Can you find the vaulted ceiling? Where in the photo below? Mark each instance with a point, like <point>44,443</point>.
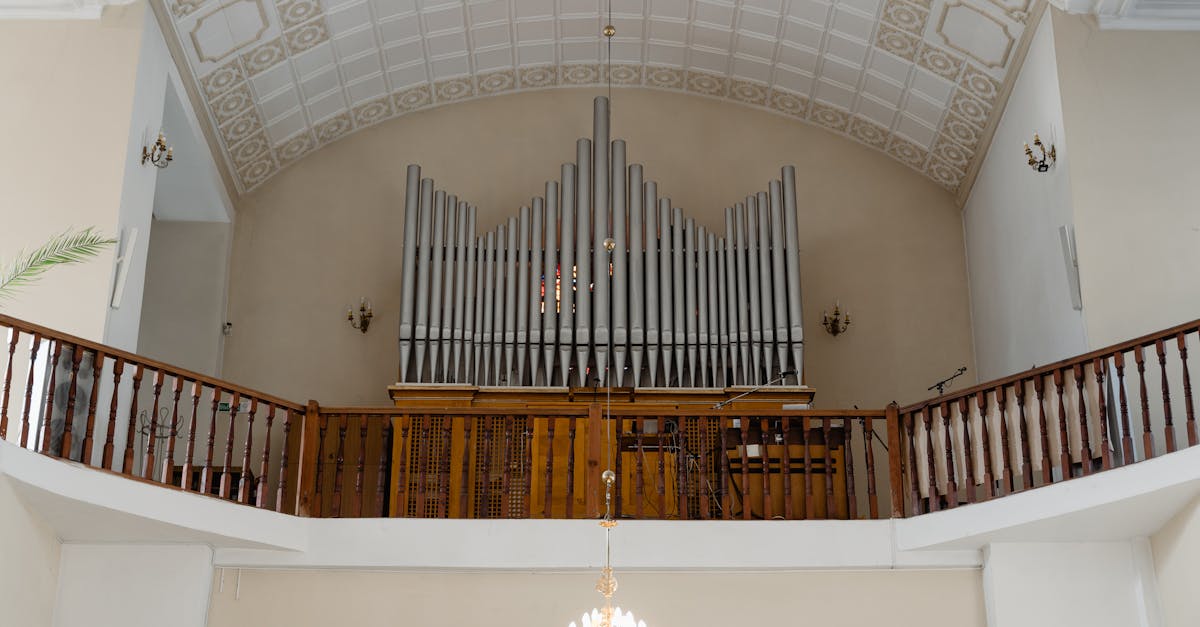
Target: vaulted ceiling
<point>921,80</point>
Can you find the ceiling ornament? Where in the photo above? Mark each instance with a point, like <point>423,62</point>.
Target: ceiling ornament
<point>919,80</point>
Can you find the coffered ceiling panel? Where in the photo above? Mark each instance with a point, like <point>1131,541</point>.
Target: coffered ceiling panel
<point>919,80</point>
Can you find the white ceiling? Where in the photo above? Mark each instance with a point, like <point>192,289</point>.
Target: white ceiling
<point>920,80</point>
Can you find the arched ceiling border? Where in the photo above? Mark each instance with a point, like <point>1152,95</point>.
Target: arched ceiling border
<point>235,114</point>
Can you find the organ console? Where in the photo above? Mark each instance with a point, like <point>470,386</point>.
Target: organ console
<point>540,301</point>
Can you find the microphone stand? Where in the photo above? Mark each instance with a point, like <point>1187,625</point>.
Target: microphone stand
<point>777,379</point>
<point>941,385</point>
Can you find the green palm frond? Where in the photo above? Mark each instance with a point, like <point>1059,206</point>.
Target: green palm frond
<point>66,248</point>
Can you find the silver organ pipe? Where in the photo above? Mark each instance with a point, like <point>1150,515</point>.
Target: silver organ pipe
<point>538,300</point>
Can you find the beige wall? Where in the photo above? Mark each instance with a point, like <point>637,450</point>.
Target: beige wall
<point>184,302</point>
<point>1177,567</point>
<point>1129,107</point>
<point>370,599</point>
<point>70,122</point>
<point>326,231</point>
<point>29,568</point>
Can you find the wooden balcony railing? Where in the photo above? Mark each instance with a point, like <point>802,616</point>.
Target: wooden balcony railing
<point>1068,419</point>
<point>70,398</point>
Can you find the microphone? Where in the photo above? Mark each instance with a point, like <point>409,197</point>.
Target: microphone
<point>725,403</point>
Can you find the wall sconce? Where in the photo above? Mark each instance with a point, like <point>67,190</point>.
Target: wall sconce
<point>364,316</point>
<point>1046,159</point>
<point>837,322</point>
<point>158,154</point>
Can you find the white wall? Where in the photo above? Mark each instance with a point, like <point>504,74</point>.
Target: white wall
<point>1177,567</point>
<point>116,585</point>
<point>1098,584</point>
<point>29,554</point>
<point>1021,307</point>
<point>1129,105</point>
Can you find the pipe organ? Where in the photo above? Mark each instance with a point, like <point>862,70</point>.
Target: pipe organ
<point>541,300</point>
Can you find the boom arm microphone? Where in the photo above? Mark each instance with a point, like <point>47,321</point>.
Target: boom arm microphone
<point>786,373</point>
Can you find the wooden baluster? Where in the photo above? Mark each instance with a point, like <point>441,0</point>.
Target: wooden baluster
<point>69,414</point>
<point>869,439</point>
<point>1039,384</point>
<point>131,429</point>
<point>931,459</point>
<point>1168,422</point>
<point>895,460</point>
<point>989,484</point>
<point>506,476</point>
<point>227,479</point>
<point>548,475</point>
<point>361,467</point>
<point>681,480</point>
<point>12,349</point>
<point>48,417</point>
<point>206,475</point>
<point>1064,442</point>
<point>639,484</point>
<point>809,503</point>
<point>964,414</point>
<point>444,468</point>
<point>385,430</point>
<point>338,474</point>
<point>726,514</point>
<point>244,481</point>
<point>1006,478</point>
<point>951,484</point>
<point>281,489</point>
<point>571,468</point>
<point>89,434</point>
<point>402,496</point>
<point>662,472</point>
<point>785,463</point>
<point>851,498</point>
<point>465,489</point>
<point>1181,339</point>
<point>152,436</point>
<point>261,495</point>
<point>37,342</point>
<point>1147,436</point>
<point>764,437</point>
<point>1126,437</point>
<point>745,423</point>
<point>422,436</point>
<point>910,438</point>
<point>109,446</point>
<point>1023,433</point>
<point>825,429</point>
<point>322,426</point>
<point>705,503</point>
<point>527,497</point>
<point>1102,414</point>
<point>168,469</point>
<point>1085,437</point>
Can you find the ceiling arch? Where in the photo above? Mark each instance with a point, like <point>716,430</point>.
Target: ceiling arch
<point>921,80</point>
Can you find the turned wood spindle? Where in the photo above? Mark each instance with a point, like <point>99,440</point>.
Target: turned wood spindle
<point>168,468</point>
<point>1023,433</point>
<point>1168,420</point>
<point>826,427</point>
<point>1139,357</point>
<point>422,437</point>
<point>948,439</point>
<point>764,437</point>
<point>48,417</point>
<point>851,498</point>
<point>506,486</point>
<point>69,414</point>
<point>571,468</point>
<point>964,414</point>
<point>152,436</point>
<point>89,432</point>
<point>527,492</point>
<point>1102,414</point>
<point>12,349</point>
<point>1039,388</point>
<point>869,439</point>
<point>705,503</point>
<point>786,467</point>
<point>931,460</point>
<point>443,494</point>
<point>910,439</point>
<point>985,441</point>
<point>1126,437</point>
<point>265,469</point>
<point>361,467</point>
<point>639,484</point>
<point>1181,340</point>
<point>339,468</point>
<point>37,341</point>
<point>809,504</point>
<point>548,475</point>
<point>206,475</point>
<point>726,512</point>
<point>106,460</point>
<point>1064,442</point>
<point>402,495</point>
<point>131,429</point>
<point>319,497</point>
<point>385,432</point>
<point>245,482</point>
<point>281,487</point>
<point>226,477</point>
<point>681,472</point>
<point>465,486</point>
<point>1006,478</point>
<point>745,433</point>
<point>1085,436</point>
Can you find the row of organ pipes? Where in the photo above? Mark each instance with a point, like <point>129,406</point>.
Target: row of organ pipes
<point>541,300</point>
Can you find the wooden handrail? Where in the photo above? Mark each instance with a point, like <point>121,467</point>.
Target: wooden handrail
<point>1143,341</point>
<point>150,364</point>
